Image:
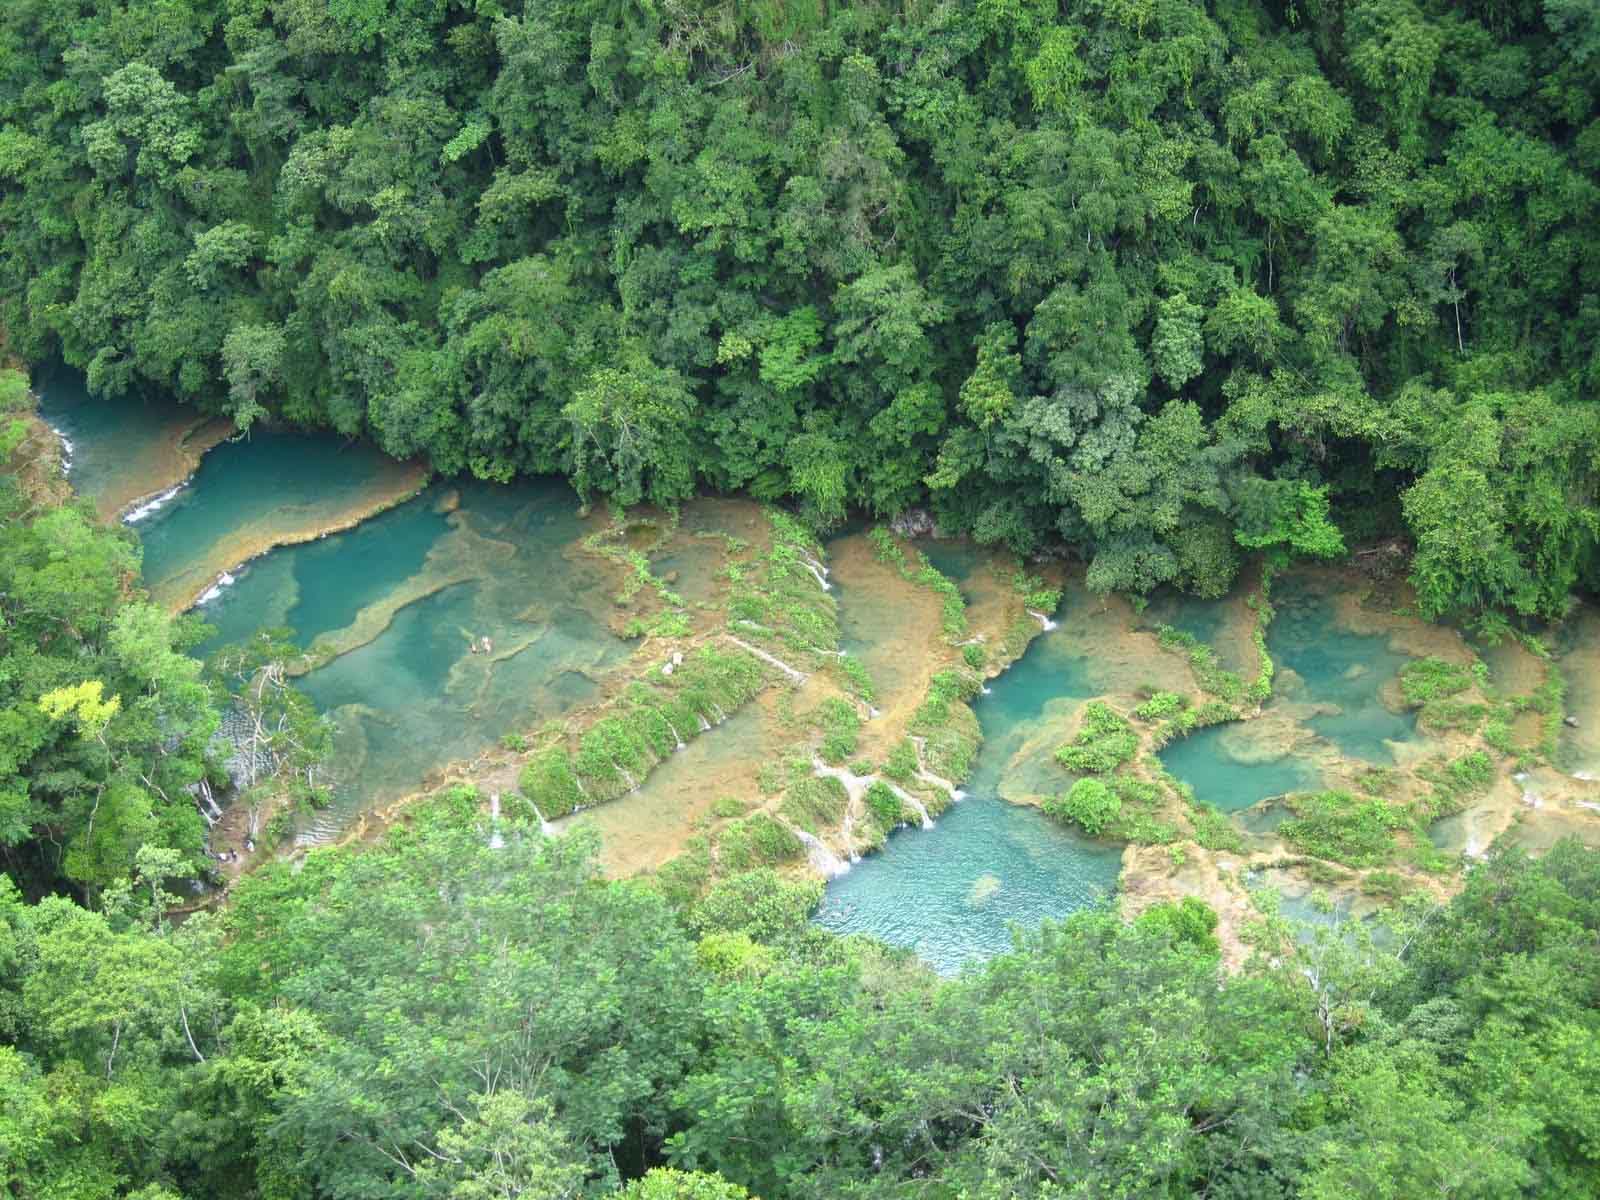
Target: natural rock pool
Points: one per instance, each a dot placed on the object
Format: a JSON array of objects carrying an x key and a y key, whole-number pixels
[{"x": 439, "y": 619}]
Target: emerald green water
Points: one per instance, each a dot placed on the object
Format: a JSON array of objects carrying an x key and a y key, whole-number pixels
[
  {"x": 249, "y": 494},
  {"x": 953, "y": 892},
  {"x": 120, "y": 449},
  {"x": 322, "y": 586},
  {"x": 1340, "y": 669},
  {"x": 1224, "y": 769},
  {"x": 397, "y": 603},
  {"x": 1200, "y": 619},
  {"x": 954, "y": 558},
  {"x": 405, "y": 597}
]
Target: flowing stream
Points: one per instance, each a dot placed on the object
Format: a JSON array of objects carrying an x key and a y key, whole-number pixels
[{"x": 461, "y": 612}]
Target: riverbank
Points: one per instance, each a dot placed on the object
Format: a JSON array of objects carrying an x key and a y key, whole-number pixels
[{"x": 715, "y": 689}]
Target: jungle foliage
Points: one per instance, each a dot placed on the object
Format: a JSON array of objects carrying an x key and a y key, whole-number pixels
[
  {"x": 1166, "y": 281},
  {"x": 443, "y": 1014}
]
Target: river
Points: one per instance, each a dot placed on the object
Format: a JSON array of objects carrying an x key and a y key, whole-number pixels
[{"x": 444, "y": 618}]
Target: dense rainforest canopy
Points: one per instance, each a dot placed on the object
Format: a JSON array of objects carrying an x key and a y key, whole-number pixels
[
  {"x": 1165, "y": 282},
  {"x": 433, "y": 1017},
  {"x": 1152, "y": 277}
]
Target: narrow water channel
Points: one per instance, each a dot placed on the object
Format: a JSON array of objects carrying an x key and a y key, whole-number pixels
[{"x": 953, "y": 892}]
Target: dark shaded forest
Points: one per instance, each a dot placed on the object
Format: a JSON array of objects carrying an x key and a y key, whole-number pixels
[{"x": 1152, "y": 278}]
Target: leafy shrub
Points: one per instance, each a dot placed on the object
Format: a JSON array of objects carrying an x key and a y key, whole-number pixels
[
  {"x": 1035, "y": 593},
  {"x": 885, "y": 806},
  {"x": 856, "y": 679},
  {"x": 549, "y": 783},
  {"x": 841, "y": 727},
  {"x": 1214, "y": 831},
  {"x": 885, "y": 548},
  {"x": 1162, "y": 704},
  {"x": 683, "y": 880},
  {"x": 1441, "y": 716},
  {"x": 1190, "y": 922},
  {"x": 973, "y": 655},
  {"x": 1261, "y": 687},
  {"x": 755, "y": 841},
  {"x": 1105, "y": 741},
  {"x": 1203, "y": 664},
  {"x": 1090, "y": 804},
  {"x": 1455, "y": 782},
  {"x": 902, "y": 762},
  {"x": 1356, "y": 831},
  {"x": 760, "y": 903},
  {"x": 815, "y": 803},
  {"x": 1431, "y": 678}
]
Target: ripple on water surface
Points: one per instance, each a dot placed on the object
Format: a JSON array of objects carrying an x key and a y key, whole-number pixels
[
  {"x": 1230, "y": 769},
  {"x": 952, "y": 893}
]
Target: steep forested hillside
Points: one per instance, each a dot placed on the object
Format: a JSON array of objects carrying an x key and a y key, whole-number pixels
[{"x": 1142, "y": 275}]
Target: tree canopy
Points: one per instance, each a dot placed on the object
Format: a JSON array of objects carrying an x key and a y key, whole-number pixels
[{"x": 1133, "y": 275}]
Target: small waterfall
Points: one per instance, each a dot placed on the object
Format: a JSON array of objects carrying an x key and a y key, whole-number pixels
[
  {"x": 633, "y": 784},
  {"x": 545, "y": 827},
  {"x": 928, "y": 776},
  {"x": 495, "y": 840},
  {"x": 705, "y": 725},
  {"x": 796, "y": 675},
  {"x": 849, "y": 833},
  {"x": 144, "y": 509},
  {"x": 211, "y": 593},
  {"x": 906, "y": 797},
  {"x": 818, "y": 573},
  {"x": 855, "y": 786},
  {"x": 823, "y": 861},
  {"x": 67, "y": 448},
  {"x": 210, "y": 813},
  {"x": 985, "y": 690},
  {"x": 675, "y": 735},
  {"x": 717, "y": 708},
  {"x": 1045, "y": 623},
  {"x": 577, "y": 781}
]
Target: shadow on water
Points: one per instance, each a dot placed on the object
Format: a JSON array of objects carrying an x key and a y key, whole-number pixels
[
  {"x": 122, "y": 448},
  {"x": 250, "y": 495},
  {"x": 1202, "y": 620}
]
